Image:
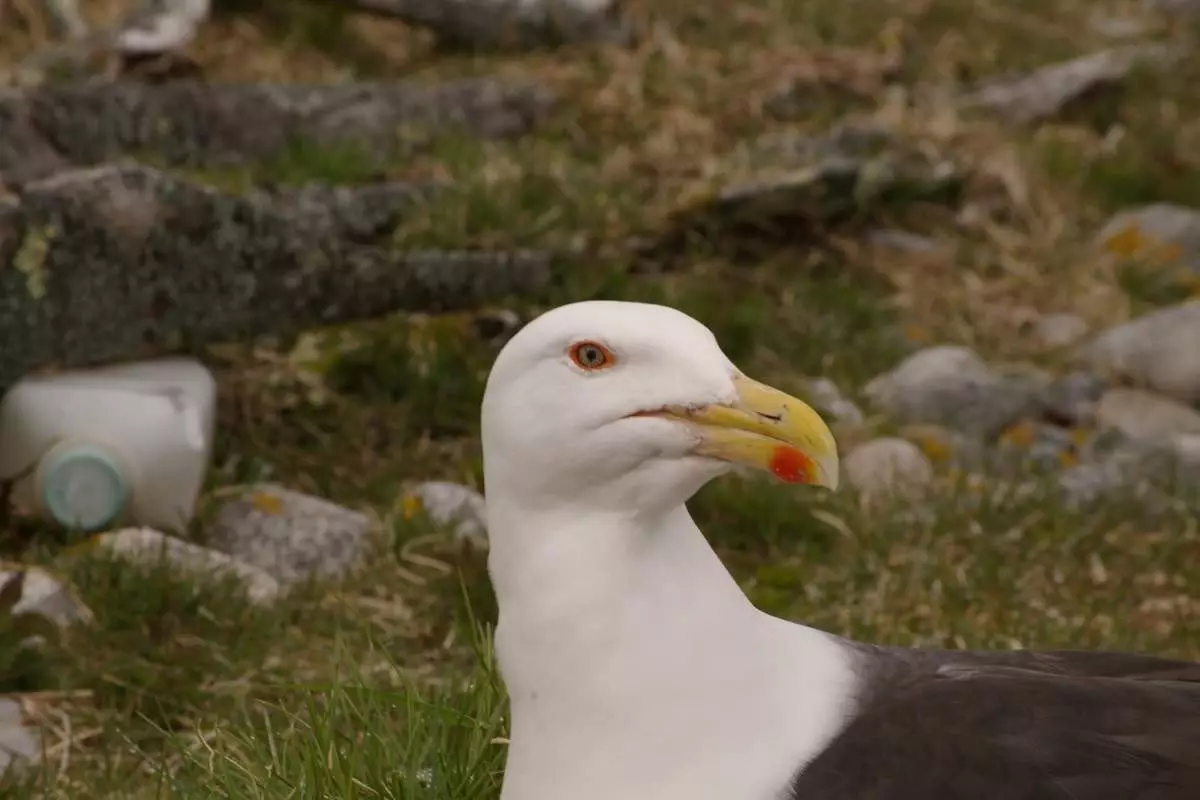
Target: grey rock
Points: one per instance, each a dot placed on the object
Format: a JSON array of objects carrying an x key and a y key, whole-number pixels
[
  {"x": 1157, "y": 351},
  {"x": 849, "y": 170},
  {"x": 1144, "y": 415},
  {"x": 450, "y": 504},
  {"x": 46, "y": 596},
  {"x": 1055, "y": 331},
  {"x": 192, "y": 124},
  {"x": 1070, "y": 400},
  {"x": 122, "y": 262},
  {"x": 19, "y": 744},
  {"x": 1169, "y": 231},
  {"x": 827, "y": 398},
  {"x": 953, "y": 387},
  {"x": 292, "y": 536},
  {"x": 147, "y": 546},
  {"x": 511, "y": 23},
  {"x": 1049, "y": 90},
  {"x": 887, "y": 467}
]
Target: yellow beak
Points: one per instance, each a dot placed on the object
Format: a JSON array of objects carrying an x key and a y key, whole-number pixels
[{"x": 766, "y": 429}]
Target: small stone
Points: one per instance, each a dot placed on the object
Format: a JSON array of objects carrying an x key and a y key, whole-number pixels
[
  {"x": 825, "y": 395},
  {"x": 1157, "y": 351},
  {"x": 1143, "y": 415},
  {"x": 19, "y": 744},
  {"x": 147, "y": 546},
  {"x": 1070, "y": 400},
  {"x": 1054, "y": 331},
  {"x": 888, "y": 467},
  {"x": 292, "y": 536},
  {"x": 953, "y": 387},
  {"x": 46, "y": 596},
  {"x": 451, "y": 505}
]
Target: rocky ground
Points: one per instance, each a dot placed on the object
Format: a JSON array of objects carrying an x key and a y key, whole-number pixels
[{"x": 968, "y": 232}]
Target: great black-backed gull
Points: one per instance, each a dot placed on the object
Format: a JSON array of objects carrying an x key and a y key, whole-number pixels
[{"x": 637, "y": 668}]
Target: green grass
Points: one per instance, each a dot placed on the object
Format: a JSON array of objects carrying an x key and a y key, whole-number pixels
[{"x": 368, "y": 688}]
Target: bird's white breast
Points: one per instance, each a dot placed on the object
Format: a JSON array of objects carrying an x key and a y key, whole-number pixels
[{"x": 661, "y": 690}]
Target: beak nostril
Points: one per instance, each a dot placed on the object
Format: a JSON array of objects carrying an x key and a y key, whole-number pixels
[{"x": 771, "y": 417}]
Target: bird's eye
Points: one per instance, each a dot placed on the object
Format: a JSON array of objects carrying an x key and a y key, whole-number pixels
[{"x": 591, "y": 356}]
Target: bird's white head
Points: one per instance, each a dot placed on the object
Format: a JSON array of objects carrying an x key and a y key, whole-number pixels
[{"x": 631, "y": 408}]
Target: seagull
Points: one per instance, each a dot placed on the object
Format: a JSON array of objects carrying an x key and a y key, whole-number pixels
[{"x": 636, "y": 667}]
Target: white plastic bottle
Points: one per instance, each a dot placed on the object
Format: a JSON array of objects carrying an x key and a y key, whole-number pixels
[{"x": 127, "y": 444}]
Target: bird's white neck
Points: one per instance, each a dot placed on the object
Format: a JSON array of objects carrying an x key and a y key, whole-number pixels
[
  {"x": 618, "y": 637},
  {"x": 555, "y": 565}
]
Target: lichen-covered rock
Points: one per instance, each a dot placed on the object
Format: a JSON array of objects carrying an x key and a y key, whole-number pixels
[
  {"x": 122, "y": 262},
  {"x": 147, "y": 546},
  {"x": 292, "y": 536},
  {"x": 952, "y": 386},
  {"x": 1157, "y": 351},
  {"x": 1047, "y": 91},
  {"x": 1163, "y": 236},
  {"x": 196, "y": 124}
]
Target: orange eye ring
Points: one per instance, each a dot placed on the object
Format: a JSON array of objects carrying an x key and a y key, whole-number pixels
[{"x": 591, "y": 356}]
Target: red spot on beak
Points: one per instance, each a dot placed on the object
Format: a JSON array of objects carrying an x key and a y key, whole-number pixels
[{"x": 791, "y": 466}]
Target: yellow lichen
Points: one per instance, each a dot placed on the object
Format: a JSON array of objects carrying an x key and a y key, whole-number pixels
[
  {"x": 1127, "y": 242},
  {"x": 1020, "y": 435},
  {"x": 410, "y": 506},
  {"x": 267, "y": 503},
  {"x": 30, "y": 259},
  {"x": 937, "y": 450}
]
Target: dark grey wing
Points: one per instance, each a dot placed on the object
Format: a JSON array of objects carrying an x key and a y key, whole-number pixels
[{"x": 1015, "y": 726}]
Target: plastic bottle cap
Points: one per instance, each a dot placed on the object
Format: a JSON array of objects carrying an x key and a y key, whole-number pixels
[{"x": 84, "y": 488}]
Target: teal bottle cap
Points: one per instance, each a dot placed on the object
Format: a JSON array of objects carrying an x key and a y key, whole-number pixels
[{"x": 84, "y": 488}]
